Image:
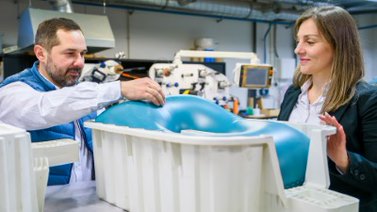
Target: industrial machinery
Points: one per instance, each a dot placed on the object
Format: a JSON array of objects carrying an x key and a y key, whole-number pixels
[
  {"x": 197, "y": 79},
  {"x": 106, "y": 71}
]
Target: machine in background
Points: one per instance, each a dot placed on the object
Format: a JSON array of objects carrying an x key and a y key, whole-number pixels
[
  {"x": 105, "y": 71},
  {"x": 196, "y": 79},
  {"x": 179, "y": 77}
]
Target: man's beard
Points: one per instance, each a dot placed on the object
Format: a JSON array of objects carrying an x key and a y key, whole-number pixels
[{"x": 60, "y": 76}]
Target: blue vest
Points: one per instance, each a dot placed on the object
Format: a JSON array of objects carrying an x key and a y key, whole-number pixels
[{"x": 58, "y": 174}]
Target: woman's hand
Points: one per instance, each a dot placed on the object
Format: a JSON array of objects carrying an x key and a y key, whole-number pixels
[{"x": 336, "y": 144}]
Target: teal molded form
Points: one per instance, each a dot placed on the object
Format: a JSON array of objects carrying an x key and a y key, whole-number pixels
[{"x": 187, "y": 112}]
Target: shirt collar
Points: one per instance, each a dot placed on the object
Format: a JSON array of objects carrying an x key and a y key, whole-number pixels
[
  {"x": 305, "y": 87},
  {"x": 49, "y": 85},
  {"x": 56, "y": 87}
]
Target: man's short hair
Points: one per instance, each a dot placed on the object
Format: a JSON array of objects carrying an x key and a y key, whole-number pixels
[{"x": 46, "y": 33}]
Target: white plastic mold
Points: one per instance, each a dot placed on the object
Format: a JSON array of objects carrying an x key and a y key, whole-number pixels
[{"x": 150, "y": 171}]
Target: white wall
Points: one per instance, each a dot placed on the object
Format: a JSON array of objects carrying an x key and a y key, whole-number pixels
[{"x": 152, "y": 35}]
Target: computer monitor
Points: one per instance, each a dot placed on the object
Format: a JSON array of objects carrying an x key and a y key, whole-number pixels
[{"x": 256, "y": 76}]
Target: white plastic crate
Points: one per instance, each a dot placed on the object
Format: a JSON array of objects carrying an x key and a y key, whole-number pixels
[
  {"x": 57, "y": 152},
  {"x": 51, "y": 153},
  {"x": 24, "y": 168},
  {"x": 151, "y": 171},
  {"x": 41, "y": 170},
  {"x": 17, "y": 182}
]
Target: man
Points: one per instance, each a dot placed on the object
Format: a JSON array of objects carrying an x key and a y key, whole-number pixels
[{"x": 47, "y": 101}]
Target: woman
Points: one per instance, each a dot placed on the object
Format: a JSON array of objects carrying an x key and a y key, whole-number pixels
[{"x": 328, "y": 81}]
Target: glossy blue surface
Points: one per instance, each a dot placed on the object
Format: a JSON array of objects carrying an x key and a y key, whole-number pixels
[{"x": 186, "y": 112}]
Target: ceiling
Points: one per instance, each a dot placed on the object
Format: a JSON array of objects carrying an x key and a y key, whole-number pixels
[{"x": 277, "y": 11}]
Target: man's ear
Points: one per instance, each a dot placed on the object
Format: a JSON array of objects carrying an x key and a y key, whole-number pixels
[{"x": 40, "y": 53}]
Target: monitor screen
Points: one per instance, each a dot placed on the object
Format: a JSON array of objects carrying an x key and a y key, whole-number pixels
[{"x": 256, "y": 76}]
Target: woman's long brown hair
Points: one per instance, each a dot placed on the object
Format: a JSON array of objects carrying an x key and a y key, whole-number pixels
[{"x": 338, "y": 27}]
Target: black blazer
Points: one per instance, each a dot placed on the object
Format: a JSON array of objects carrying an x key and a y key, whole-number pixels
[{"x": 359, "y": 120}]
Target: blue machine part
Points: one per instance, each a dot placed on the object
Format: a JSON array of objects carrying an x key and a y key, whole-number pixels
[{"x": 187, "y": 112}]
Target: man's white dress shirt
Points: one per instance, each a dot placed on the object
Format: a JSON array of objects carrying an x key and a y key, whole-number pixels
[{"x": 24, "y": 107}]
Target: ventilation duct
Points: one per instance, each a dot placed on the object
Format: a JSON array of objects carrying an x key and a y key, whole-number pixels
[
  {"x": 96, "y": 29},
  {"x": 61, "y": 5},
  {"x": 276, "y": 11},
  {"x": 220, "y": 8}
]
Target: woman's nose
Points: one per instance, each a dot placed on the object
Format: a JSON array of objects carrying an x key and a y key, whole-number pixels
[{"x": 299, "y": 49}]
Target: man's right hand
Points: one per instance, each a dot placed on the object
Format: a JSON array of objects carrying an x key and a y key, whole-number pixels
[{"x": 143, "y": 89}]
